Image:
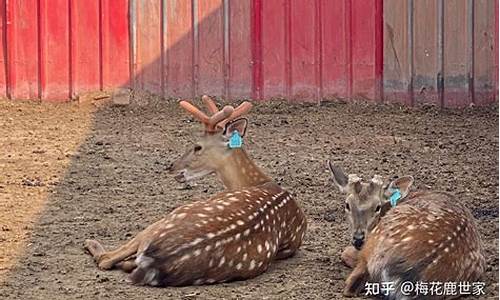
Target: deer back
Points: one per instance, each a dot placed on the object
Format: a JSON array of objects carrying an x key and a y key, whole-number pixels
[{"x": 428, "y": 237}]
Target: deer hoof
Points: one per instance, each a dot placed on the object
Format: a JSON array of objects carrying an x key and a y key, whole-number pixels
[
  {"x": 348, "y": 293},
  {"x": 105, "y": 263},
  {"x": 95, "y": 248}
]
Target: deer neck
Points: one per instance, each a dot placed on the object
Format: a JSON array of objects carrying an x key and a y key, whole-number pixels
[{"x": 240, "y": 172}]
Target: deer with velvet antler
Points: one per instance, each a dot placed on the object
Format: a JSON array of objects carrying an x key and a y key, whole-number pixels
[{"x": 234, "y": 235}]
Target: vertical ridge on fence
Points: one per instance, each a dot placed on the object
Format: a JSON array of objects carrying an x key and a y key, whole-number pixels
[
  {"x": 411, "y": 63},
  {"x": 163, "y": 56},
  {"x": 379, "y": 50},
  {"x": 470, "y": 51},
  {"x": 288, "y": 50},
  {"x": 348, "y": 42},
  {"x": 226, "y": 69},
  {"x": 196, "y": 48},
  {"x": 318, "y": 45},
  {"x": 440, "y": 50},
  {"x": 257, "y": 83},
  {"x": 3, "y": 51}
]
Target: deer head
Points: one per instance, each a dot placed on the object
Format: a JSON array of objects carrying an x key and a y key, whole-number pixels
[
  {"x": 211, "y": 152},
  {"x": 367, "y": 201}
]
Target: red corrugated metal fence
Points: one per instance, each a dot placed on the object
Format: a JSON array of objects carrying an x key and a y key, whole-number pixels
[{"x": 414, "y": 52}]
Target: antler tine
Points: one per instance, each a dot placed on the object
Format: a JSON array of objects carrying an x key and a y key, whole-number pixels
[
  {"x": 210, "y": 104},
  {"x": 219, "y": 116},
  {"x": 242, "y": 109},
  {"x": 198, "y": 114}
]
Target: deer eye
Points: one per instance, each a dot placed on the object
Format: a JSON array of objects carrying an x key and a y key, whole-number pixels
[
  {"x": 347, "y": 207},
  {"x": 377, "y": 209},
  {"x": 197, "y": 148}
]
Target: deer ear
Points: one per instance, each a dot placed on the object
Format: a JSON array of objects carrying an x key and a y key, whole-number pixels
[
  {"x": 402, "y": 184},
  {"x": 338, "y": 177},
  {"x": 239, "y": 125}
]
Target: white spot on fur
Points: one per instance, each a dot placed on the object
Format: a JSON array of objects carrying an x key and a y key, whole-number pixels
[
  {"x": 181, "y": 216},
  {"x": 222, "y": 260},
  {"x": 407, "y": 239},
  {"x": 252, "y": 265}
]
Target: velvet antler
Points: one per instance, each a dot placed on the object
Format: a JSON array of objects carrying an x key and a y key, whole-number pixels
[{"x": 219, "y": 117}]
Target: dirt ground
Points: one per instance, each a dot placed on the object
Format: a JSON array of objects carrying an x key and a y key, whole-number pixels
[{"x": 75, "y": 171}]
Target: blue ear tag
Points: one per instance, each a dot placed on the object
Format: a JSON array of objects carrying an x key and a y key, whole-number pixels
[
  {"x": 396, "y": 195},
  {"x": 235, "y": 141}
]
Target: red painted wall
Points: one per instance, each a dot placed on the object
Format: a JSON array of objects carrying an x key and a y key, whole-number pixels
[
  {"x": 301, "y": 50},
  {"x": 308, "y": 50},
  {"x": 57, "y": 49}
]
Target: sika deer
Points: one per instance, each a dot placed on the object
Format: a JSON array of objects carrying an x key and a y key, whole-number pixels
[
  {"x": 407, "y": 236},
  {"x": 235, "y": 235}
]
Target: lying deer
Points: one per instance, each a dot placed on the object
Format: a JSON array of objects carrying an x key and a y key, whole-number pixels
[
  {"x": 235, "y": 235},
  {"x": 400, "y": 235}
]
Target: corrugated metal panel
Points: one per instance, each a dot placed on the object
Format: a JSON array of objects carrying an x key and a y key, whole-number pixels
[
  {"x": 426, "y": 51},
  {"x": 314, "y": 49},
  {"x": 441, "y": 52},
  {"x": 189, "y": 48},
  {"x": 54, "y": 50}
]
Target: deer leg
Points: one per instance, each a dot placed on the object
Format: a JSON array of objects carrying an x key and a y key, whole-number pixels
[
  {"x": 350, "y": 256},
  {"x": 107, "y": 260},
  {"x": 356, "y": 280}
]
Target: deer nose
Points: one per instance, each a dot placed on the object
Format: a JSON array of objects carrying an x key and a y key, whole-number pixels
[{"x": 358, "y": 240}]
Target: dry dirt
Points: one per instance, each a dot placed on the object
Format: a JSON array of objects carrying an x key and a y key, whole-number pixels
[{"x": 76, "y": 171}]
